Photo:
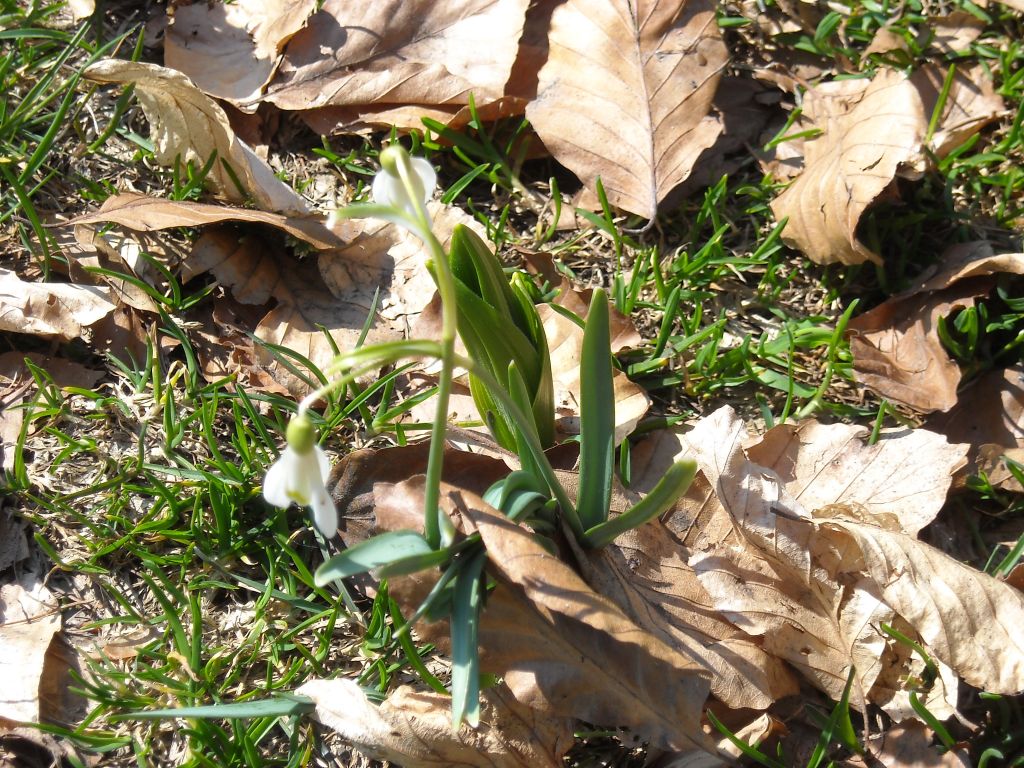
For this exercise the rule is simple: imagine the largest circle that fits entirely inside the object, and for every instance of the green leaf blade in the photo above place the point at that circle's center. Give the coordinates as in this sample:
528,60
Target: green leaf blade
366,555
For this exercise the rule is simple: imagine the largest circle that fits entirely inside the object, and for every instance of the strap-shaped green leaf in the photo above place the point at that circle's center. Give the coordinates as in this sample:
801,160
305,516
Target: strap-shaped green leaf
502,341
276,707
476,265
669,488
389,547
597,416
465,624
520,394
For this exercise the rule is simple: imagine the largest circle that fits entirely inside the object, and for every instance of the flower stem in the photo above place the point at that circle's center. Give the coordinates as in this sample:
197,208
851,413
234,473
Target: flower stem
449,318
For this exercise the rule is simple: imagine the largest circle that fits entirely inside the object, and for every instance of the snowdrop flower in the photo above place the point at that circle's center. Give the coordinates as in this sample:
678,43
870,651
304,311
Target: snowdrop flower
388,188
300,475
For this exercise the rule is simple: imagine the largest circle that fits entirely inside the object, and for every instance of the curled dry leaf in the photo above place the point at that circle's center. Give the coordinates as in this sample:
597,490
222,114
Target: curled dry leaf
145,214
306,313
966,618
869,130
750,545
989,411
872,131
186,126
231,50
831,582
896,347
400,52
60,310
624,93
414,729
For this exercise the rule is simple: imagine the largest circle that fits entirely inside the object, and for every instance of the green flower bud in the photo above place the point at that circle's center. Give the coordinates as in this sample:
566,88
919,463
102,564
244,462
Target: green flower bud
391,158
301,434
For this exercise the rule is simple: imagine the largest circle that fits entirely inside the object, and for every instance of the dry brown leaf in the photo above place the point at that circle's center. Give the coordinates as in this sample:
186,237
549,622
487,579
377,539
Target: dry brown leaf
968,619
383,256
400,52
872,131
414,729
954,32
306,312
13,539
186,126
231,50
896,348
755,551
29,620
225,347
646,574
902,480
143,214
990,410
62,310
860,571
562,648
970,104
909,745
624,93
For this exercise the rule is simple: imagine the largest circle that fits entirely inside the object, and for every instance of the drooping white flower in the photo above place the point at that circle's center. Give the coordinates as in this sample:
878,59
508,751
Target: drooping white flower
388,187
300,475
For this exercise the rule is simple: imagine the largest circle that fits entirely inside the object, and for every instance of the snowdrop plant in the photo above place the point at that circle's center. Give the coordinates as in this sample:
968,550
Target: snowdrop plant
511,381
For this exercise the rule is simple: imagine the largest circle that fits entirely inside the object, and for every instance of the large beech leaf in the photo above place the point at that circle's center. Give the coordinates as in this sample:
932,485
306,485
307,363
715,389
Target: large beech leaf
900,482
231,50
966,618
563,648
753,548
188,126
400,52
414,729
625,91
872,131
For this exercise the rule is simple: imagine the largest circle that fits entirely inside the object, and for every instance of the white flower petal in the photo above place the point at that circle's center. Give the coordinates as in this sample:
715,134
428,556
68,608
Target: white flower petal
323,462
384,189
389,190
324,514
426,174
275,484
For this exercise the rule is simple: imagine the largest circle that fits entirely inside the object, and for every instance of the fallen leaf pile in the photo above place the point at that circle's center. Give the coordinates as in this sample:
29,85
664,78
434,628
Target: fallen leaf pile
793,564
780,568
